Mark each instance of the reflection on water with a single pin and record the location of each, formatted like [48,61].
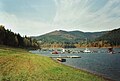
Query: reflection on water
[101,62]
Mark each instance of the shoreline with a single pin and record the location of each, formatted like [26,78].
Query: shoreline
[80,47]
[86,71]
[41,67]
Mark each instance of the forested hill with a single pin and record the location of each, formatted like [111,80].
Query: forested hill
[113,37]
[9,38]
[68,36]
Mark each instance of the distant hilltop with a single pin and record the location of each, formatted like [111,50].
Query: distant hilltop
[68,36]
[108,38]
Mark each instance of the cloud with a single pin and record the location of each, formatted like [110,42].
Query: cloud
[42,16]
[88,14]
[27,17]
[24,26]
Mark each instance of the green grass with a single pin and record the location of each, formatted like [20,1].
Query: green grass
[20,65]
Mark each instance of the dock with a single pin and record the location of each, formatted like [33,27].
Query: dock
[65,57]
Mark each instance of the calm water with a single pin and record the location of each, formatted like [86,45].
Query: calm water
[101,63]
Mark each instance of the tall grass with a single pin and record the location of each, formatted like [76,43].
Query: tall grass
[20,65]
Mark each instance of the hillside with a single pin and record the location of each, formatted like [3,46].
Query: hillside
[68,36]
[20,65]
[113,37]
[9,38]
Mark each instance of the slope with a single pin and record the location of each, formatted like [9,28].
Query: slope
[20,65]
[113,37]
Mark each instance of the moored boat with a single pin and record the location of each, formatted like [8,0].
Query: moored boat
[54,52]
[61,59]
[87,51]
[111,51]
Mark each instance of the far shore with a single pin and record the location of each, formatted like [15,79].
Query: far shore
[78,47]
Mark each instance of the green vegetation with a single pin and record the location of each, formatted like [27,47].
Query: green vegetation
[20,65]
[113,37]
[74,39]
[9,38]
[67,37]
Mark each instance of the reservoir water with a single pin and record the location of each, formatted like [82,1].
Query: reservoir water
[102,62]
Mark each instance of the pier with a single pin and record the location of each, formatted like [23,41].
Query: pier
[65,57]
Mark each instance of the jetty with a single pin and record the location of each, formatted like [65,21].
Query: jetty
[65,57]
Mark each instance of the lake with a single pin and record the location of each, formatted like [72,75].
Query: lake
[102,62]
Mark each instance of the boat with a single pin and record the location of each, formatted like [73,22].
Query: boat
[63,51]
[111,51]
[87,51]
[54,52]
[61,59]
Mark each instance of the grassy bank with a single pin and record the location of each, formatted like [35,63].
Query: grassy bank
[20,65]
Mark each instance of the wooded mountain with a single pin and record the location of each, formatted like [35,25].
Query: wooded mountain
[68,36]
[113,37]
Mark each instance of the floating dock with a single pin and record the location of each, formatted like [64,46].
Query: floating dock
[65,57]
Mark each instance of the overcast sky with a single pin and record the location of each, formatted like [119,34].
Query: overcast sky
[37,17]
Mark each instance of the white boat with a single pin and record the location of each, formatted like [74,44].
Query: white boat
[87,50]
[63,50]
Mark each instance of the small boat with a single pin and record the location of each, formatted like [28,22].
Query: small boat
[54,52]
[61,59]
[111,51]
[87,50]
[63,50]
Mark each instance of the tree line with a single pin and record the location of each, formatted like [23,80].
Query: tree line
[75,44]
[9,38]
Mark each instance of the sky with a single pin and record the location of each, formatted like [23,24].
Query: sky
[37,17]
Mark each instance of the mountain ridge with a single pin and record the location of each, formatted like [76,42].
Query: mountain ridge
[68,36]
[112,37]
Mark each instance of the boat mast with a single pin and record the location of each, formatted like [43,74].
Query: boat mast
[86,43]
